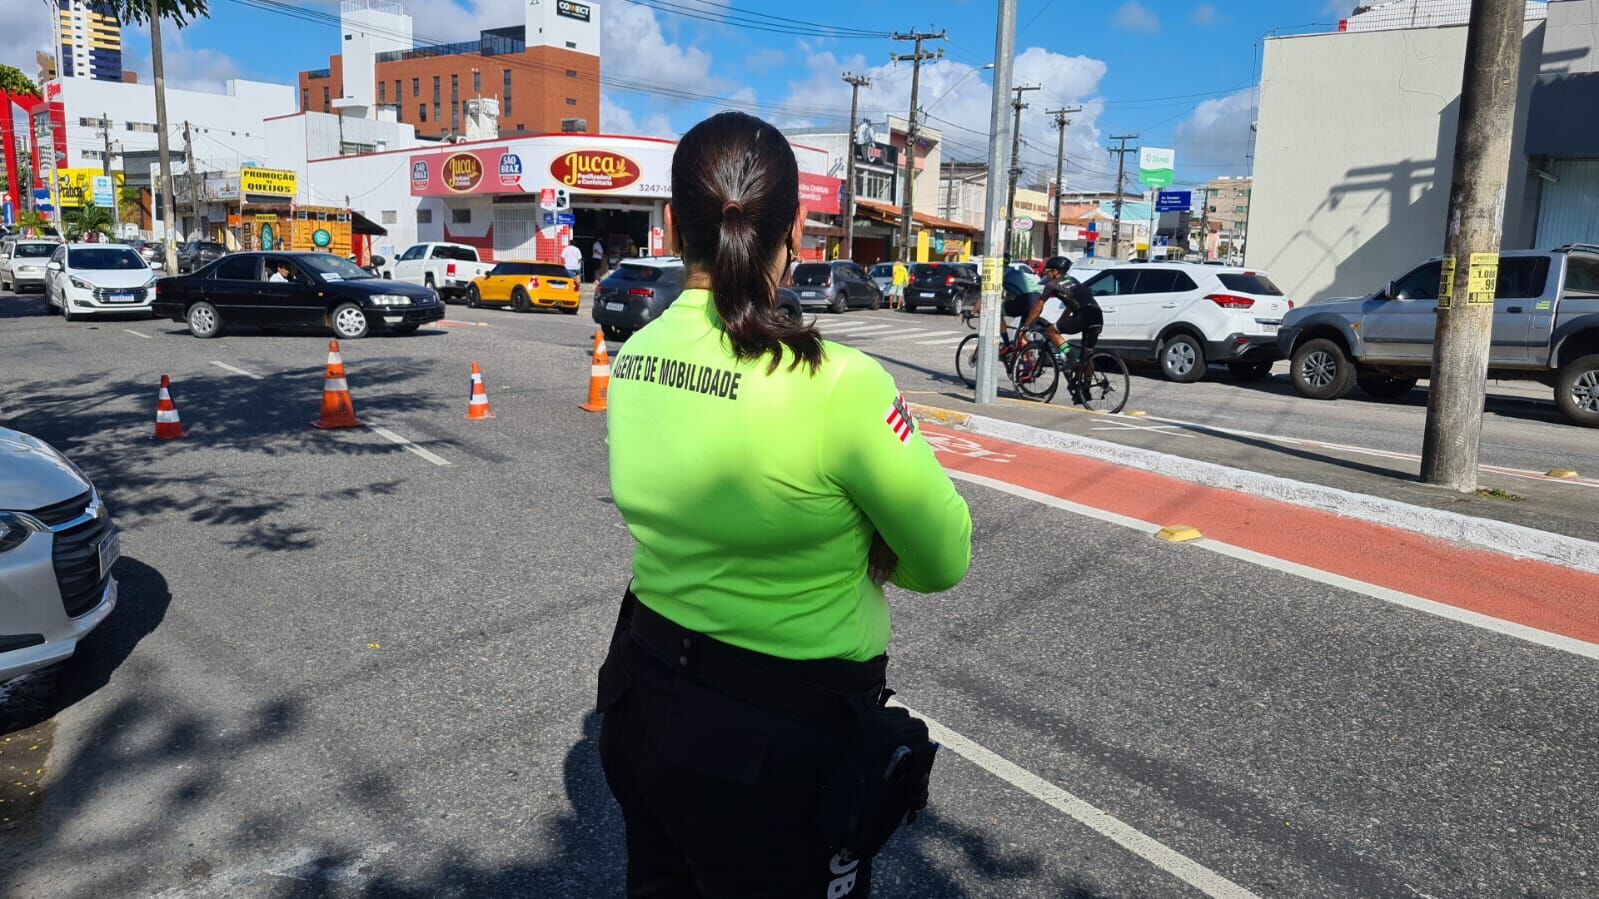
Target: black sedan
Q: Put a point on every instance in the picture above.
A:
(284, 289)
(951, 286)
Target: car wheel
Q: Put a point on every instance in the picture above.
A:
(908, 307)
(957, 304)
(349, 322)
(1577, 390)
(877, 300)
(1182, 359)
(474, 299)
(838, 305)
(1249, 371)
(520, 302)
(612, 332)
(1383, 387)
(66, 309)
(1322, 370)
(204, 320)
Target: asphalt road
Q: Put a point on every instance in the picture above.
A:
(339, 668)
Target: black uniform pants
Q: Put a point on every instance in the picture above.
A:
(719, 795)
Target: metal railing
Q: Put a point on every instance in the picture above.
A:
(486, 45)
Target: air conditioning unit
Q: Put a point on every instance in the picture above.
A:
(574, 126)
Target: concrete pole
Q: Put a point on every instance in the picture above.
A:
(163, 147)
(993, 211)
(116, 195)
(1015, 167)
(856, 82)
(1052, 233)
(907, 207)
(1121, 176)
(1471, 245)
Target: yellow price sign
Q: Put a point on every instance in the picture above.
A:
(1446, 283)
(991, 275)
(1482, 280)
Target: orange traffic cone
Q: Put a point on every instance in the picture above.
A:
(599, 377)
(167, 425)
(477, 407)
(338, 410)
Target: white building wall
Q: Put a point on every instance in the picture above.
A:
(1570, 37)
(1354, 154)
(369, 27)
(568, 24)
(227, 128)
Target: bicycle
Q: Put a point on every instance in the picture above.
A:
(1025, 357)
(1098, 382)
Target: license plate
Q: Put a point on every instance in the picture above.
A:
(927, 294)
(121, 298)
(810, 293)
(110, 551)
(615, 307)
(1269, 328)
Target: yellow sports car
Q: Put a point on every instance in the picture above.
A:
(525, 286)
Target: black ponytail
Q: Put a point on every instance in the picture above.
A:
(735, 192)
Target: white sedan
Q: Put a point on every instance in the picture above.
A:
(97, 278)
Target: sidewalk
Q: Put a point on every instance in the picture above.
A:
(1529, 499)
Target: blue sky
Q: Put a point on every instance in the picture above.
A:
(1179, 74)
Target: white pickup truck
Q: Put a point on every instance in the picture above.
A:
(446, 267)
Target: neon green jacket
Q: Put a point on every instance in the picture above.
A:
(753, 497)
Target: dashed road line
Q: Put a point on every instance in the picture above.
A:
(1087, 814)
(137, 333)
(857, 332)
(407, 445)
(942, 340)
(236, 370)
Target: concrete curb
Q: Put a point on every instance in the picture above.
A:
(1501, 537)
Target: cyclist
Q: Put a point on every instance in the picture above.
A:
(1068, 306)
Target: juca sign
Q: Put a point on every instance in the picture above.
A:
(462, 172)
(594, 170)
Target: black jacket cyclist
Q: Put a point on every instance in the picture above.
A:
(1080, 312)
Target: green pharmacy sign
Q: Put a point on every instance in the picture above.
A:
(1155, 167)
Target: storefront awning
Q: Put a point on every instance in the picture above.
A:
(890, 215)
(360, 224)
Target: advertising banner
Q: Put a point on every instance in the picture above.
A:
(75, 187)
(1156, 166)
(819, 193)
(534, 166)
(268, 182)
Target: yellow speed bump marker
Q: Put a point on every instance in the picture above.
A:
(1565, 474)
(1136, 413)
(1178, 533)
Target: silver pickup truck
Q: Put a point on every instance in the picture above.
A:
(1545, 328)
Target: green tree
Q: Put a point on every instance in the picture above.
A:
(137, 12)
(130, 204)
(88, 219)
(12, 81)
(32, 223)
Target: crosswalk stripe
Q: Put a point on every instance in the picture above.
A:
(942, 340)
(857, 332)
(851, 326)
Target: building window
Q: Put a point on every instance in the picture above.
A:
(435, 90)
(390, 217)
(305, 102)
(477, 82)
(570, 102)
(455, 87)
(1240, 209)
(421, 112)
(436, 117)
(424, 216)
(506, 94)
(571, 45)
(93, 154)
(397, 93)
(383, 92)
(461, 216)
(89, 123)
(146, 127)
(455, 115)
(571, 73)
(416, 87)
(326, 103)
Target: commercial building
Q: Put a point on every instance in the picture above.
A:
(88, 41)
(543, 73)
(1226, 216)
(1356, 137)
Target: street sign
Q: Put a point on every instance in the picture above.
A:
(105, 192)
(1155, 166)
(566, 218)
(1174, 201)
(547, 199)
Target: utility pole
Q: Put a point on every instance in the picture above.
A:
(855, 82)
(993, 207)
(194, 185)
(1204, 224)
(1052, 233)
(915, 59)
(1121, 175)
(116, 195)
(162, 144)
(1471, 245)
(1015, 166)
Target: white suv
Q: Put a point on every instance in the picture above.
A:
(1185, 316)
(88, 278)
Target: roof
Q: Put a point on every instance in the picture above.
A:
(890, 214)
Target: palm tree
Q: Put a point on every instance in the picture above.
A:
(130, 204)
(88, 219)
(31, 222)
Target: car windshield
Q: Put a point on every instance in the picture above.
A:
(884, 270)
(525, 269)
(98, 258)
(459, 254)
(35, 250)
(628, 272)
(333, 268)
(204, 247)
(812, 274)
(1249, 282)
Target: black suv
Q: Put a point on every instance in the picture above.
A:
(951, 286)
(197, 253)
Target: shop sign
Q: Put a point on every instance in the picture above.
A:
(547, 198)
(271, 182)
(419, 174)
(594, 170)
(572, 10)
(510, 170)
(819, 193)
(462, 173)
(75, 187)
(657, 241)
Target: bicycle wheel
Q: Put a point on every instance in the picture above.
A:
(1034, 371)
(1102, 383)
(966, 360)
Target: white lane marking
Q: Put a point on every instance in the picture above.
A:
(913, 334)
(236, 370)
(1085, 813)
(410, 447)
(1407, 600)
(869, 329)
(136, 333)
(942, 340)
(1163, 430)
(847, 326)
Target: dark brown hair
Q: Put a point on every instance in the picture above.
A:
(735, 192)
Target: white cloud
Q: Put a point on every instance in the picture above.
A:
(1216, 138)
(440, 21)
(1134, 16)
(635, 48)
(1203, 14)
(26, 30)
(187, 68)
(617, 119)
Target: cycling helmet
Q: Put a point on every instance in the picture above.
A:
(1058, 263)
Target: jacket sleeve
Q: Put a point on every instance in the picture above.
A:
(872, 448)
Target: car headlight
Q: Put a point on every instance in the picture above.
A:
(390, 299)
(80, 283)
(15, 527)
(150, 283)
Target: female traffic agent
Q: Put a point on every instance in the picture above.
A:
(772, 482)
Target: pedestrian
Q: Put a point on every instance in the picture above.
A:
(897, 284)
(572, 258)
(772, 482)
(597, 259)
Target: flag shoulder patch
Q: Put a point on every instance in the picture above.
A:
(898, 418)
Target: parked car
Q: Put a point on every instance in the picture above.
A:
(788, 303)
(97, 278)
(1545, 328)
(951, 286)
(448, 268)
(152, 251)
(837, 285)
(22, 263)
(1185, 317)
(635, 293)
(197, 253)
(525, 286)
(882, 275)
(58, 545)
(321, 289)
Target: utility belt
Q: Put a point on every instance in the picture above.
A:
(882, 777)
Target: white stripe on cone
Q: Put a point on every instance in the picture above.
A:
(165, 395)
(337, 385)
(600, 371)
(479, 399)
(335, 359)
(166, 416)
